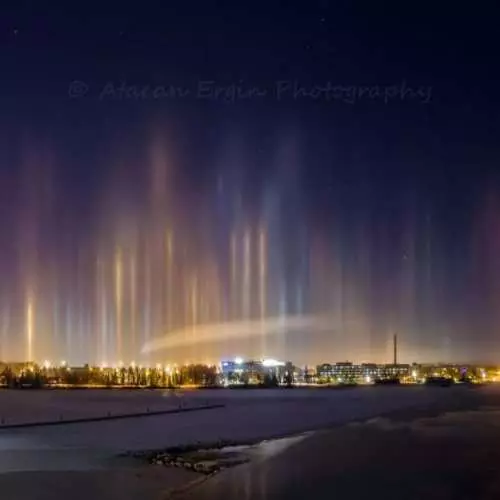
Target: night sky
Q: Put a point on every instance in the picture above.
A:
(167, 168)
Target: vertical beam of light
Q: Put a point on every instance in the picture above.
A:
(97, 316)
(247, 240)
(55, 325)
(303, 262)
(283, 304)
(262, 262)
(361, 336)
(5, 330)
(81, 347)
(408, 276)
(193, 300)
(119, 304)
(157, 282)
(147, 300)
(69, 332)
(169, 270)
(133, 306)
(215, 294)
(30, 322)
(158, 198)
(234, 277)
(81, 332)
(102, 309)
(88, 334)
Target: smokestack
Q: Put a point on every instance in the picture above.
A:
(395, 343)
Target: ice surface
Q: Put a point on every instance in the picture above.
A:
(40, 457)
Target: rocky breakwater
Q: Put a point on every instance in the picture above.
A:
(203, 459)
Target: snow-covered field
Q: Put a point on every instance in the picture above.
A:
(246, 415)
(25, 406)
(449, 456)
(37, 460)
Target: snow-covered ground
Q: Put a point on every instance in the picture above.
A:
(452, 455)
(24, 406)
(39, 458)
(246, 415)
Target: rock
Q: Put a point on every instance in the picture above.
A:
(165, 458)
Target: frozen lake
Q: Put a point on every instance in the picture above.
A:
(247, 415)
(24, 406)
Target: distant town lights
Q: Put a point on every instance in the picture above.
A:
(238, 361)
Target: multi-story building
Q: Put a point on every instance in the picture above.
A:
(342, 372)
(241, 371)
(369, 371)
(324, 372)
(347, 372)
(390, 371)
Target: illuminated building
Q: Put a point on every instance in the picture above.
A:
(347, 372)
(394, 371)
(239, 371)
